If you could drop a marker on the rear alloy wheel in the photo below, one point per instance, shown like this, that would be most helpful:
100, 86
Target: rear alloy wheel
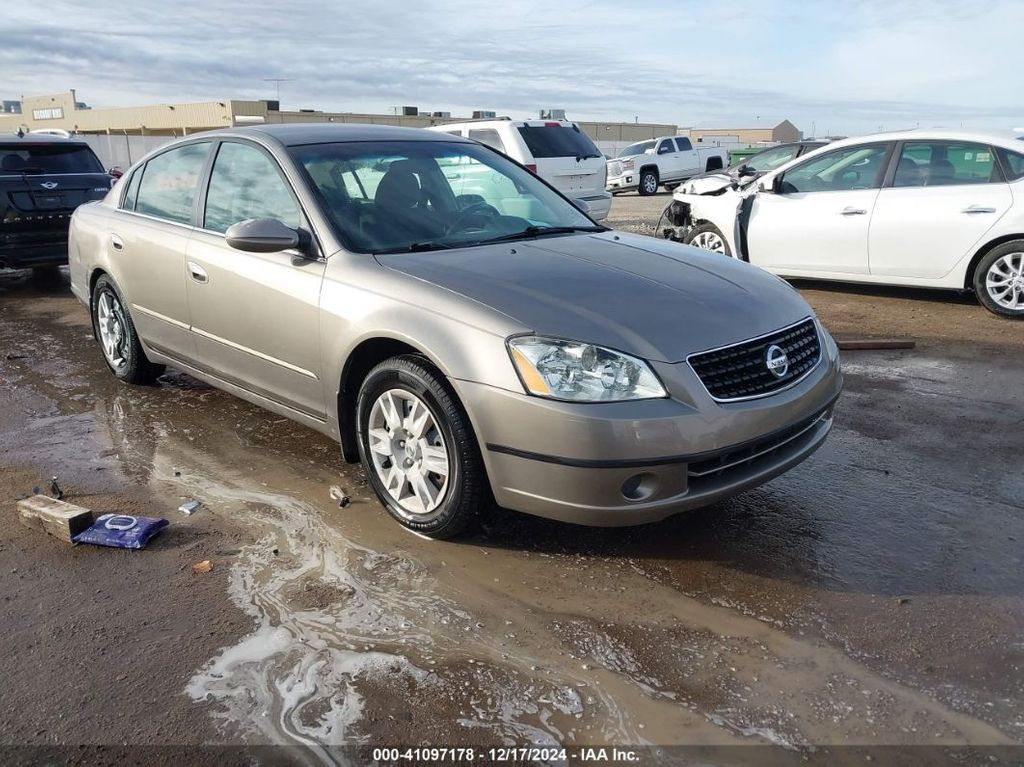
999, 280
418, 448
708, 237
648, 183
114, 329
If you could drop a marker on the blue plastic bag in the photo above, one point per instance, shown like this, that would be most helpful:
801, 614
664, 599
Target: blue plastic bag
121, 531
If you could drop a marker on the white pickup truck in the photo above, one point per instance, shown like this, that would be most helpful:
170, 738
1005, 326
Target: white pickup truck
667, 161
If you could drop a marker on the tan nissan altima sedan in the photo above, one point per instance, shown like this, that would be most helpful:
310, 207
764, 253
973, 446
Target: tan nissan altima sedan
458, 325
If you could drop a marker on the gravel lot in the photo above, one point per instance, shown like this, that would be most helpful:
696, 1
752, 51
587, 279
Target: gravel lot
873, 597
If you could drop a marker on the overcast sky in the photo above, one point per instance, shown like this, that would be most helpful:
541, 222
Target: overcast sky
848, 66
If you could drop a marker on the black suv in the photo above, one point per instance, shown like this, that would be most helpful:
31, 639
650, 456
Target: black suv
43, 178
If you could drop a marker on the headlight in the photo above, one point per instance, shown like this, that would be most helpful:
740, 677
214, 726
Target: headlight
628, 164
579, 372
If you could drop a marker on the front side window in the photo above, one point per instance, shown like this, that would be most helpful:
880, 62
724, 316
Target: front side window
170, 183
245, 184
667, 146
424, 195
945, 163
490, 137
852, 167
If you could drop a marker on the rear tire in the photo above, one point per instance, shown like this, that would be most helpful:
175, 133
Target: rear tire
648, 184
708, 237
113, 327
999, 280
418, 448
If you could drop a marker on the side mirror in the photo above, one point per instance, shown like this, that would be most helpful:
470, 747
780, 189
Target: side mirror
582, 205
649, 151
762, 189
261, 235
116, 172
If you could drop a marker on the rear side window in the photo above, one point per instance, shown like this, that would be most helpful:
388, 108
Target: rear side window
133, 189
169, 185
945, 163
558, 141
18, 158
490, 137
1013, 164
245, 184
684, 144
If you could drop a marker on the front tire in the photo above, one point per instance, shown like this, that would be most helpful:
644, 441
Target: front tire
113, 328
418, 448
999, 280
648, 184
708, 237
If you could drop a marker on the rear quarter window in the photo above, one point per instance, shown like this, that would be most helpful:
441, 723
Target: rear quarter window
1013, 163
557, 141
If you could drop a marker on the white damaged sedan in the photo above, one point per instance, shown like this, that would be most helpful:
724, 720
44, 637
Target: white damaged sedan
939, 209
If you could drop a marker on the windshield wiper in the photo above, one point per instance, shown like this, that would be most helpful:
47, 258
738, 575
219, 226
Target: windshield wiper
537, 231
416, 247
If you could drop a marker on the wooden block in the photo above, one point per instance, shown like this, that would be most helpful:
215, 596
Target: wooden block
59, 519
865, 344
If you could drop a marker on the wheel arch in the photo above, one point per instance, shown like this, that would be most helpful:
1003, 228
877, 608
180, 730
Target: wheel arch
983, 251
650, 166
363, 358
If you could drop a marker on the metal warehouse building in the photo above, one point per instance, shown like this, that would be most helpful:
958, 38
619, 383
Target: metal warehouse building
120, 135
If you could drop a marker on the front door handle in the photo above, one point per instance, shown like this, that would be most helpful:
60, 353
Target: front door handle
197, 272
116, 242
853, 212
978, 209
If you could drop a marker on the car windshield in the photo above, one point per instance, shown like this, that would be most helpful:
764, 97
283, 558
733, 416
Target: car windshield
395, 196
770, 159
18, 158
634, 149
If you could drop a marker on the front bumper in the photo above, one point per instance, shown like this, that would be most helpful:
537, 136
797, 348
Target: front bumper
629, 463
629, 180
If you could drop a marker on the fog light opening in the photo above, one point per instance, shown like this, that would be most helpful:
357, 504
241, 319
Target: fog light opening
639, 487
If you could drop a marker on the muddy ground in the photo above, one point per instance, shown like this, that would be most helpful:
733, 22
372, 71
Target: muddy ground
870, 597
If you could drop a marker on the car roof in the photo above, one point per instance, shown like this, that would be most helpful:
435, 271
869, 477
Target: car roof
495, 122
1008, 139
38, 138
297, 134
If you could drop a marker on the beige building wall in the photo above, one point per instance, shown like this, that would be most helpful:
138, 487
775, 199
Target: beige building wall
784, 132
59, 111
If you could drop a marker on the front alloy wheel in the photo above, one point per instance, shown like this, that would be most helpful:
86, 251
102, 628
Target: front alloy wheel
418, 448
408, 453
708, 237
112, 325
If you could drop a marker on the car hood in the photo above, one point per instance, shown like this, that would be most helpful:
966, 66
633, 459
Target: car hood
652, 298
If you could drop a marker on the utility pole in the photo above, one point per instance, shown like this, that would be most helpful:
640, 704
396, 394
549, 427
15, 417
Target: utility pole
277, 82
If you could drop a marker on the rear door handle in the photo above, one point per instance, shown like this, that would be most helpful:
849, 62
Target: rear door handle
116, 242
197, 272
853, 212
978, 209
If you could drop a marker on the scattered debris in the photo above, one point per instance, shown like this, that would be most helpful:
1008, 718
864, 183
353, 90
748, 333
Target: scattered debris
121, 531
13, 356
866, 344
202, 567
55, 491
339, 495
58, 518
190, 507
903, 600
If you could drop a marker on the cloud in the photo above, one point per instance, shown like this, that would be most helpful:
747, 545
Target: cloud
849, 68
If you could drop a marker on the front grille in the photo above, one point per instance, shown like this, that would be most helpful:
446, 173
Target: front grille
741, 371
615, 169
774, 448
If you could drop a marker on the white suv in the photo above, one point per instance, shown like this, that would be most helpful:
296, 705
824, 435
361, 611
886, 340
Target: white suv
556, 150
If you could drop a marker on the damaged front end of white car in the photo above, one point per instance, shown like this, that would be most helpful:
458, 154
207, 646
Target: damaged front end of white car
708, 212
